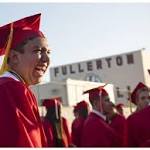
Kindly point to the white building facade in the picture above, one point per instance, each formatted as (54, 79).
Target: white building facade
(70, 91)
(124, 71)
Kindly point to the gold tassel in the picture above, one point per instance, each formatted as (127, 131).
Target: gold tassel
(4, 66)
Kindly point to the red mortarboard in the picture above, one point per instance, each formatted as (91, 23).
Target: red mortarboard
(81, 105)
(139, 87)
(49, 103)
(22, 29)
(52, 103)
(13, 34)
(96, 92)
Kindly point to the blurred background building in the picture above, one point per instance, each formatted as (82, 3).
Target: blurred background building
(121, 72)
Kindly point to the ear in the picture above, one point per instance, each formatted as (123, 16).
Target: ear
(14, 57)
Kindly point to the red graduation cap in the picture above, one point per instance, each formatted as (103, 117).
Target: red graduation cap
(52, 103)
(96, 92)
(49, 103)
(81, 105)
(22, 29)
(139, 87)
(13, 34)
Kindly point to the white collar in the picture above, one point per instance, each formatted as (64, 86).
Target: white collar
(99, 114)
(9, 75)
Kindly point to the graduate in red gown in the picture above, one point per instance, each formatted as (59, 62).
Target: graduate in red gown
(118, 123)
(26, 59)
(55, 126)
(77, 125)
(138, 98)
(139, 122)
(65, 123)
(96, 132)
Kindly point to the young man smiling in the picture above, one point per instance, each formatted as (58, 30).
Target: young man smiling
(26, 60)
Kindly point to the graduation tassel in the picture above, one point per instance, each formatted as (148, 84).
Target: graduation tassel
(101, 108)
(100, 95)
(4, 66)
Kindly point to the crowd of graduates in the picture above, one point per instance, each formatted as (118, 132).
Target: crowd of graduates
(103, 126)
(26, 59)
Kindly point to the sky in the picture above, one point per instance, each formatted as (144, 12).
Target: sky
(82, 31)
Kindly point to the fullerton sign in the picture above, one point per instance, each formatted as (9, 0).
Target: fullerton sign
(93, 65)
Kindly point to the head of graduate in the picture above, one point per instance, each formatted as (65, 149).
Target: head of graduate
(140, 96)
(25, 49)
(53, 107)
(99, 99)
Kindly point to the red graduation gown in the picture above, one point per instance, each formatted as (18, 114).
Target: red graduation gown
(77, 127)
(119, 124)
(139, 128)
(67, 132)
(97, 133)
(49, 131)
(20, 123)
